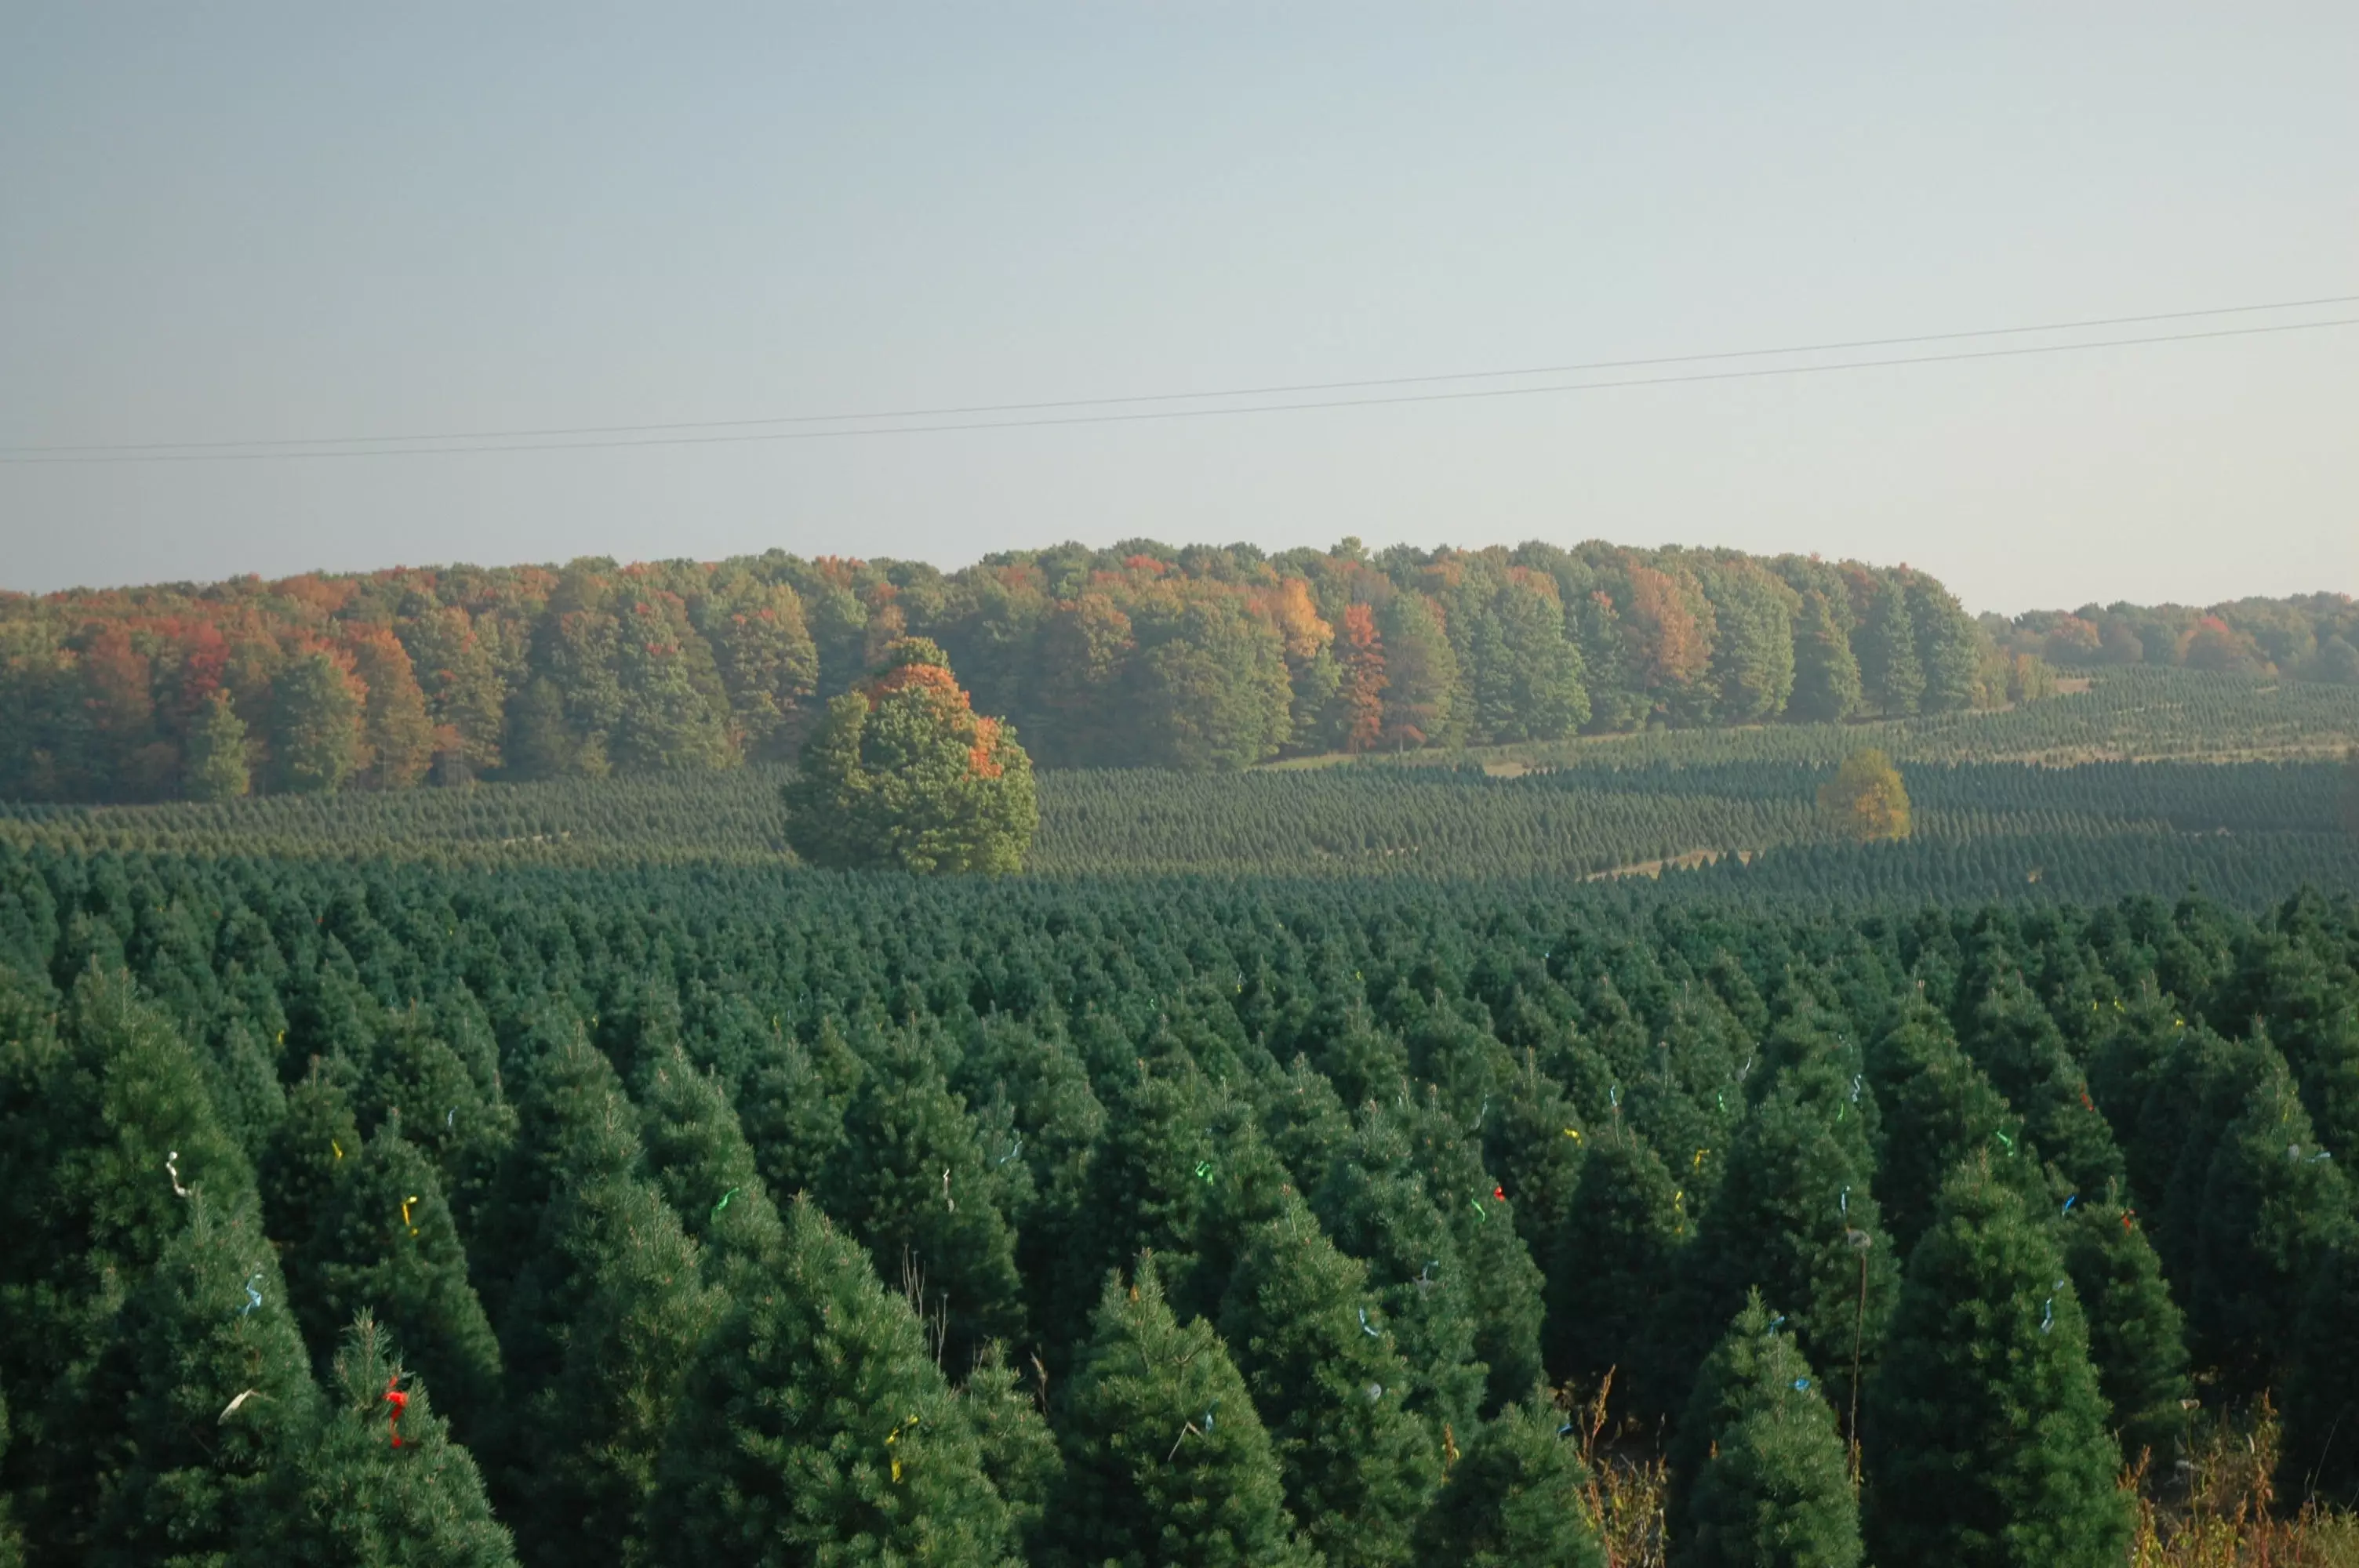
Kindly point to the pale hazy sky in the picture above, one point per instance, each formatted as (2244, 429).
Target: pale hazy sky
(228, 222)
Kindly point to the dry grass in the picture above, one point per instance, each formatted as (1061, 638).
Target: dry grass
(1628, 1483)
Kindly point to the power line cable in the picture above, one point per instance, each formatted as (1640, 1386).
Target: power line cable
(1270, 391)
(35, 457)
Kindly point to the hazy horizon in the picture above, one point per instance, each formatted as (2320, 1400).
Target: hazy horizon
(279, 224)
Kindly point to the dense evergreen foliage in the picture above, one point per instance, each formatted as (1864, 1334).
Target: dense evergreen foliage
(715, 1214)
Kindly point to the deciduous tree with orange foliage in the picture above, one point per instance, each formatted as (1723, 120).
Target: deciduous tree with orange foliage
(903, 774)
(1865, 799)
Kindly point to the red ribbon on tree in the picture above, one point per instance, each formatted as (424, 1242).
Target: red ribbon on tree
(400, 1402)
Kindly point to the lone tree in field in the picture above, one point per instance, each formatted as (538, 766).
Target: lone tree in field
(1865, 799)
(902, 774)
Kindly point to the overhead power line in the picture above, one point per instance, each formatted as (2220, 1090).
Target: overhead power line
(653, 434)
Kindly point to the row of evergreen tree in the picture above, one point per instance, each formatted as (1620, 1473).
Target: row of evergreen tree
(1196, 659)
(804, 1218)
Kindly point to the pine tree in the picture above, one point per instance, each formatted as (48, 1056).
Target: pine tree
(1375, 1203)
(1796, 1218)
(214, 766)
(1759, 1479)
(1515, 1499)
(1886, 645)
(2274, 1204)
(816, 1429)
(1984, 1430)
(211, 1391)
(2138, 1340)
(1328, 1381)
(12, 1540)
(384, 1244)
(1623, 1250)
(2321, 1396)
(1826, 674)
(1938, 1109)
(351, 1496)
(2015, 1040)
(1166, 1462)
(699, 1158)
(1020, 1452)
(912, 1182)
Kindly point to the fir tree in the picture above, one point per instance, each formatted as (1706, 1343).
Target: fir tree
(2136, 1336)
(1375, 1206)
(383, 1243)
(1327, 1380)
(208, 1379)
(352, 1496)
(2274, 1204)
(2322, 1396)
(2014, 1040)
(1826, 674)
(1759, 1479)
(12, 1540)
(1166, 1462)
(912, 1181)
(1622, 1252)
(816, 1429)
(1515, 1499)
(1796, 1219)
(1938, 1109)
(1985, 1432)
(1020, 1452)
(699, 1158)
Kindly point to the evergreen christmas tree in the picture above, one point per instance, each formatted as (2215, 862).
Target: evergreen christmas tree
(912, 1181)
(1796, 1219)
(384, 1243)
(12, 1540)
(697, 1152)
(2322, 1396)
(352, 1496)
(1986, 1434)
(1505, 1285)
(2012, 1038)
(1020, 1452)
(1622, 1253)
(1326, 1379)
(816, 1429)
(208, 1380)
(1167, 1465)
(1374, 1204)
(2274, 1204)
(1759, 1479)
(2137, 1339)
(1938, 1109)
(1516, 1498)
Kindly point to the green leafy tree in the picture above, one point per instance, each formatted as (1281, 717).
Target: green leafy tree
(1166, 1461)
(816, 1429)
(1517, 1498)
(315, 732)
(1326, 1379)
(1886, 642)
(214, 766)
(465, 698)
(1210, 688)
(1949, 646)
(1827, 686)
(1986, 1440)
(350, 1495)
(903, 775)
(1865, 799)
(1759, 1479)
(1753, 652)
(767, 660)
(1420, 671)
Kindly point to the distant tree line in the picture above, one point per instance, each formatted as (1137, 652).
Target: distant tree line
(1197, 658)
(2308, 637)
